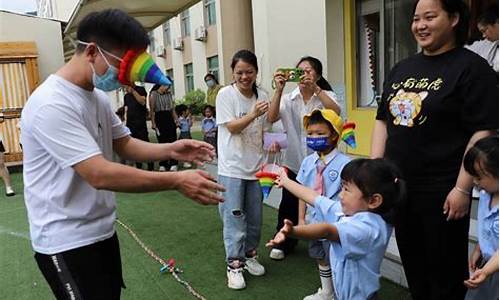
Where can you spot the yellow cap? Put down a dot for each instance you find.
(329, 115)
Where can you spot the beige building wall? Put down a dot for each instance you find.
(232, 32)
(45, 33)
(335, 66)
(285, 31)
(235, 28)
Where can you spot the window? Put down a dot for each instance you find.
(210, 12)
(185, 26)
(166, 33)
(170, 73)
(383, 38)
(213, 66)
(152, 45)
(188, 73)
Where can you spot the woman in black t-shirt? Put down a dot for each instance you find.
(434, 106)
(135, 116)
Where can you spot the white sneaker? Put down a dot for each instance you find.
(277, 254)
(319, 295)
(9, 192)
(162, 169)
(254, 267)
(235, 279)
(173, 168)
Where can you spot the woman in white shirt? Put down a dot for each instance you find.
(241, 109)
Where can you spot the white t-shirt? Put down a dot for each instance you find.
(487, 50)
(239, 155)
(292, 112)
(62, 125)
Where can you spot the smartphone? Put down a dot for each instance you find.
(292, 74)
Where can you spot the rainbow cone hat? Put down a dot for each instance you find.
(348, 134)
(267, 175)
(138, 65)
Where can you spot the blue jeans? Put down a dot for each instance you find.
(241, 214)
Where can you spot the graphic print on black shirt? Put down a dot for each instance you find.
(432, 105)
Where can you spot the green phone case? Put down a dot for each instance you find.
(292, 74)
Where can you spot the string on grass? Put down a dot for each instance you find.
(165, 266)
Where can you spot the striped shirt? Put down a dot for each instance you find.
(162, 101)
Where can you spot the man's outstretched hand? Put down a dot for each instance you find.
(192, 150)
(199, 186)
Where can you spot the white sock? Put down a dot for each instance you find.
(325, 274)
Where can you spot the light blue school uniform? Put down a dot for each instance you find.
(207, 124)
(335, 161)
(356, 258)
(487, 234)
(487, 219)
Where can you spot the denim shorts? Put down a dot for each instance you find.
(319, 249)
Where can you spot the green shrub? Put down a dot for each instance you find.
(195, 100)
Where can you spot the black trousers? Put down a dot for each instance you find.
(141, 132)
(89, 272)
(289, 209)
(168, 132)
(434, 251)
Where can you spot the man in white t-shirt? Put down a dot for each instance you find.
(488, 47)
(69, 133)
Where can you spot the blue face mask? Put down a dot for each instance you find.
(210, 83)
(109, 80)
(318, 143)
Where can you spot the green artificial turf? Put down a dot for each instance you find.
(172, 226)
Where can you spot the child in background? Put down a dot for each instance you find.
(185, 123)
(209, 126)
(481, 161)
(358, 227)
(321, 172)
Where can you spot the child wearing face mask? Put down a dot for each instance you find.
(481, 161)
(357, 227)
(209, 126)
(213, 88)
(321, 172)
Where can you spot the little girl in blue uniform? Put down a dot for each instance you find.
(481, 161)
(358, 226)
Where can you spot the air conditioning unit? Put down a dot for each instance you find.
(160, 51)
(200, 34)
(179, 44)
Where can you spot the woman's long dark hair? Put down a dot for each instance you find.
(155, 88)
(318, 67)
(249, 58)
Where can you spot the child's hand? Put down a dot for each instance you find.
(281, 235)
(476, 279)
(474, 259)
(281, 179)
(275, 147)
